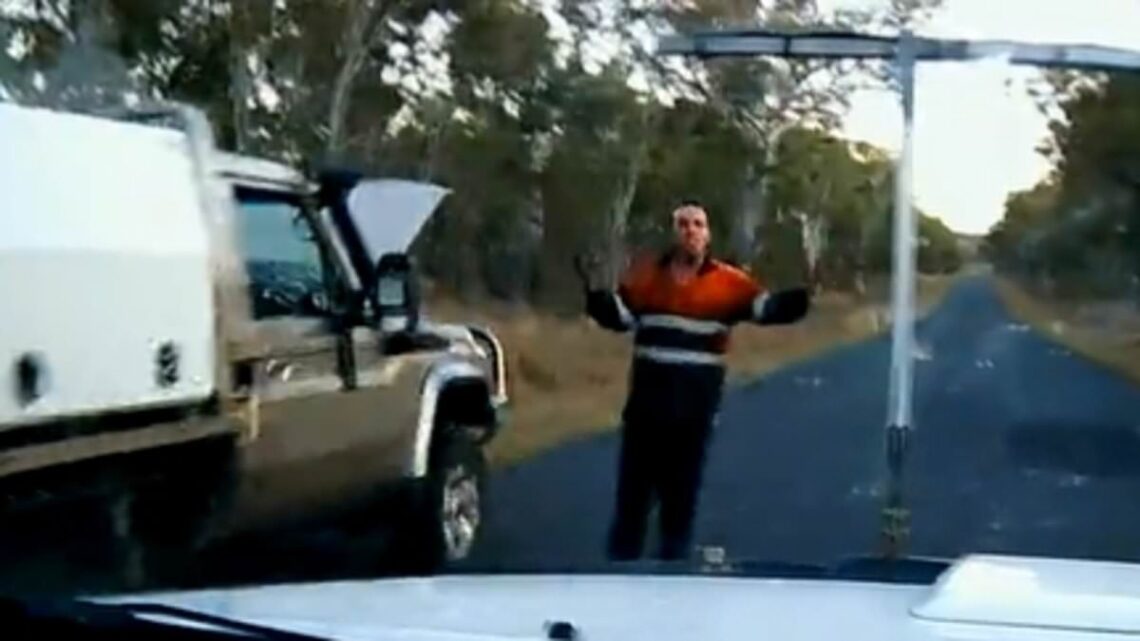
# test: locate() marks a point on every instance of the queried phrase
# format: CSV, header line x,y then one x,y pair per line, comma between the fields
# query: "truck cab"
x,y
225,343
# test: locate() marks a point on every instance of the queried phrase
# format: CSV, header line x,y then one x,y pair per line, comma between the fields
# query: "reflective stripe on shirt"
x,y
677,356
758,305
624,314
680,339
671,321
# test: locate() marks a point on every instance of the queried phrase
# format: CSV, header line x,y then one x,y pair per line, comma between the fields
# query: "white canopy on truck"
x,y
105,268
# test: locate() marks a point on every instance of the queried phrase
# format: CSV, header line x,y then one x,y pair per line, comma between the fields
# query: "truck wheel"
x,y
451,510
128,556
169,528
160,528
141,555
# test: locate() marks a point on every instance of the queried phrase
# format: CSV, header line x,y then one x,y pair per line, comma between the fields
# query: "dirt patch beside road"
x,y
1107,331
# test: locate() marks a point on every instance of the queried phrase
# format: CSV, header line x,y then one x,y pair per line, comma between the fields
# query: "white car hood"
x,y
1067,600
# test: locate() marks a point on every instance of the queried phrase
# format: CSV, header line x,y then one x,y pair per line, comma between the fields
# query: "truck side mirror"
x,y
395,295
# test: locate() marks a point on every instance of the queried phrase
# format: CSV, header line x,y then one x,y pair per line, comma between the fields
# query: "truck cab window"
x,y
281,255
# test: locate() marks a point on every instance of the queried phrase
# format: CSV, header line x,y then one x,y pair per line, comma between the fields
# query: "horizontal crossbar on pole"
x,y
838,44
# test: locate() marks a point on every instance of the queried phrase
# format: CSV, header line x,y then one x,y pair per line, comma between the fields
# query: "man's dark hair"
x,y
692,202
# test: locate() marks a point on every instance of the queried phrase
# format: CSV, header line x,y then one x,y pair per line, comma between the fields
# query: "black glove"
x,y
602,306
587,268
601,302
785,306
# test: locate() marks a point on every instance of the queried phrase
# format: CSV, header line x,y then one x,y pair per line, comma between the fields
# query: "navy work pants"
x,y
659,463
663,444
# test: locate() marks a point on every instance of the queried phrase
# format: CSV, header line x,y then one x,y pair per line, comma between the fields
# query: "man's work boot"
x,y
674,548
625,542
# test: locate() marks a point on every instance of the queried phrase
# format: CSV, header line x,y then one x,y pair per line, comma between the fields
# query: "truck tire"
x,y
449,513
168,530
160,528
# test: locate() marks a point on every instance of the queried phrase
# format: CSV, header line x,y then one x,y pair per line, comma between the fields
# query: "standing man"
x,y
680,305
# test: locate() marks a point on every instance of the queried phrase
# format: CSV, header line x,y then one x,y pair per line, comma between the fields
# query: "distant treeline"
x,y
1077,233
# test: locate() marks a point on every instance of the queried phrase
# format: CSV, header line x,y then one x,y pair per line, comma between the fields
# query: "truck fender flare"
x,y
436,381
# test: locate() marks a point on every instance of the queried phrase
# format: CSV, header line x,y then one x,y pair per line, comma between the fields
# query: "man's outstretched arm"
x,y
781,307
609,310
604,305
759,305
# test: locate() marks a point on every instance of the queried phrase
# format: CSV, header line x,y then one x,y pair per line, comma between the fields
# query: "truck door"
x,y
314,443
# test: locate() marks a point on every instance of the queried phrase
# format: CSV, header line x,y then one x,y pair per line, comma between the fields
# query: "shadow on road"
x,y
1089,450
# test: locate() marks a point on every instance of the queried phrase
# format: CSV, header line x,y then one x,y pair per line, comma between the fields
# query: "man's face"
x,y
691,230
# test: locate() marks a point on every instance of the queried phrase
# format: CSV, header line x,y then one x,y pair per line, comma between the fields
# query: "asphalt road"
x,y
1020,446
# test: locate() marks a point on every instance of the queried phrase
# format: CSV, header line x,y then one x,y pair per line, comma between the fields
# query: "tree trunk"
x,y
813,230
534,229
363,17
754,197
618,220
245,34
748,217
239,93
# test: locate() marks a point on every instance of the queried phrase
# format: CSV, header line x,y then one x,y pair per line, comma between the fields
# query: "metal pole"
x,y
901,383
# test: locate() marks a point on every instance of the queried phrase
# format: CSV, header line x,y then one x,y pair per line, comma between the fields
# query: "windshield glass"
x,y
703,312
280,253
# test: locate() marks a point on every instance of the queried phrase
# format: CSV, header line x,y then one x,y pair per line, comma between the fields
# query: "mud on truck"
x,y
210,344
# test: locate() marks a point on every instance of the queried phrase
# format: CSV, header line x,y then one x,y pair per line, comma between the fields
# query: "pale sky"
x,y
975,127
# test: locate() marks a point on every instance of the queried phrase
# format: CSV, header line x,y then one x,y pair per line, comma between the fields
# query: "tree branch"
x,y
55,10
364,18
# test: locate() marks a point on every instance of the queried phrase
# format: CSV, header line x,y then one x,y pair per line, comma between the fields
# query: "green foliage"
x,y
1079,229
549,147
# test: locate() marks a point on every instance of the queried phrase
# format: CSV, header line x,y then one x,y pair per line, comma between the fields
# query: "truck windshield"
x,y
281,257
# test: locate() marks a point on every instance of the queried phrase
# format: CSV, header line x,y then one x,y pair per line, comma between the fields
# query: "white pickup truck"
x,y
217,343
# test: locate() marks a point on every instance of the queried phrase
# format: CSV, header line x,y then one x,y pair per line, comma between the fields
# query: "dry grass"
x,y
568,377
1107,332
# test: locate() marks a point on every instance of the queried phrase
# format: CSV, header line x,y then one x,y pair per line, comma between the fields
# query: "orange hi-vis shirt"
x,y
685,322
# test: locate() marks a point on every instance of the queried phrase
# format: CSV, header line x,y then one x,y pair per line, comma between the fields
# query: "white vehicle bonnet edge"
x,y
658,607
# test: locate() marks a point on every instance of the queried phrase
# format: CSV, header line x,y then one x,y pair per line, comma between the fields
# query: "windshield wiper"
x,y
908,570
84,619
775,569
